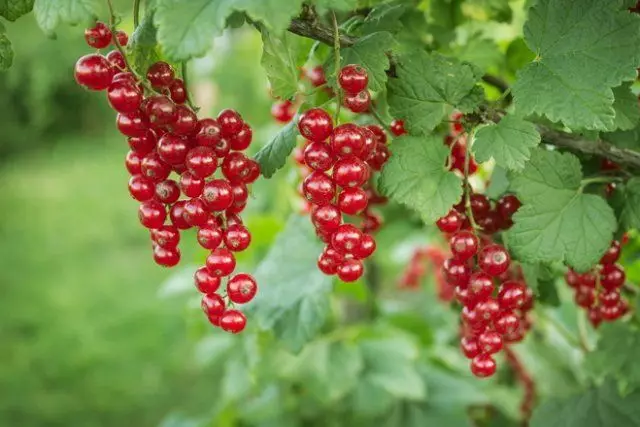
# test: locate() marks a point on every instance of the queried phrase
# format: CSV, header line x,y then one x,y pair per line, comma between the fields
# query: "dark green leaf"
x,y
14,9
274,155
626,108
630,213
143,50
282,58
51,13
509,142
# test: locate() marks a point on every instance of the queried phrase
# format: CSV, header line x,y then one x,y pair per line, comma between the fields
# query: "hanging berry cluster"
x,y
598,290
337,184
165,137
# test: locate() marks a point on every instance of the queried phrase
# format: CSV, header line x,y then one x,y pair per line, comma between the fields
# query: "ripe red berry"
x,y
318,156
316,76
186,121
241,288
160,110
367,247
609,298
172,149
205,282
283,111
315,125
178,91
469,347
167,191
122,38
494,260
209,133
176,213
152,214
350,270
353,78
116,59
451,222
490,342
359,102
94,72
512,295
166,257
346,239
124,97
397,127
352,201
483,366
480,286
201,162
212,304
508,205
230,122
240,194
191,185
370,143
612,254
329,260
235,167
326,217
154,168
143,144
506,323
348,140
594,316
99,36
141,188
237,238
371,222
221,262
318,188
464,244
585,297
612,276
195,212
133,162
480,205
457,272
160,74
217,195
209,237
487,310
132,124
233,321
350,172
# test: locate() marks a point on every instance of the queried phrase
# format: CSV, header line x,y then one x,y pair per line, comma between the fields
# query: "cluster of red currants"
x,y
345,162
457,141
283,111
165,137
598,290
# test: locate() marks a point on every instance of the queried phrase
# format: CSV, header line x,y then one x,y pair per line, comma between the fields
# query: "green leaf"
x,y
427,88
416,176
51,13
274,155
496,10
275,14
143,49
557,221
598,407
385,17
617,354
624,139
369,52
482,53
282,58
509,142
630,213
337,5
626,107
583,49
295,300
499,183
6,52
14,9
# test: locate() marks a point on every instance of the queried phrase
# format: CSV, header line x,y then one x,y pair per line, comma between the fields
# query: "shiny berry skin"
x,y
241,140
217,195
469,347
612,276
209,133
457,272
490,342
191,185
358,103
172,149
587,279
328,261
353,78
585,297
230,122
240,193
251,172
480,205
318,156
178,91
609,298
160,110
512,295
241,288
98,36
315,125
166,257
209,237
152,214
487,310
350,270
160,74
221,262
370,143
506,323
122,38
346,239
176,213
572,278
480,286
186,121
167,236
451,222
212,304
494,260
124,97
141,188
143,144
379,157
316,76
283,111
133,163
350,172
318,188
167,191
347,140
463,244
378,132
205,282
237,238
233,321
612,254
508,205
326,217
132,124
154,168
397,127
371,222
483,366
195,213
366,248
201,162
116,59
352,201
235,167
94,72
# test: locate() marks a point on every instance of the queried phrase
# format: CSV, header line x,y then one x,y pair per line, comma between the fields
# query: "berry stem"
x,y
336,54
467,185
598,180
184,72
136,14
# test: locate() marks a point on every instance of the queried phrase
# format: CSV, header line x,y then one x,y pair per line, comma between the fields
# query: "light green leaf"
x,y
275,14
369,52
482,53
557,221
509,142
143,49
499,183
385,17
14,9
626,107
416,176
630,213
427,88
337,5
282,58
6,52
237,381
496,10
274,155
51,13
598,407
294,302
583,49
617,354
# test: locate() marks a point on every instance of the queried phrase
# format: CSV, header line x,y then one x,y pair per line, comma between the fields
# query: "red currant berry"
x,y
160,74
176,213
240,194
191,185
494,260
209,237
167,191
326,217
506,323
609,298
122,38
221,262
209,133
594,316
318,156
205,282
283,111
490,342
480,205
132,124
352,201
201,162
367,247
464,245
348,140
451,222
350,270
173,149
480,287
612,276
217,195
160,110
379,157
141,188
572,278
124,97
241,140
350,172
133,163
152,214
186,121
457,272
397,127
154,168
94,72
508,205
609,314
318,188
316,76
487,310
251,173
237,238
143,144
99,36
241,288
116,59
353,78
346,239
359,102
195,213
233,321
469,347
371,222
178,91
235,167
370,143
315,125
585,297
212,304
230,122
587,279
166,257
612,254
512,295
167,236
483,366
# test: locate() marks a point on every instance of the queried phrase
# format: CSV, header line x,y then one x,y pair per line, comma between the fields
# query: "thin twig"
x,y
184,71
136,13
467,185
336,54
